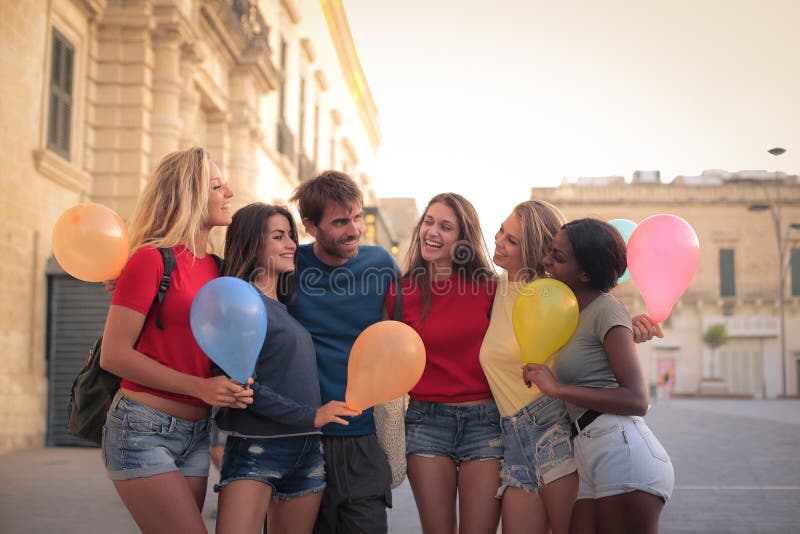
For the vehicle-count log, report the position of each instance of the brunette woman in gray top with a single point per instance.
(273, 461)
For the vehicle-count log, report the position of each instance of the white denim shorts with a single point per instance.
(619, 454)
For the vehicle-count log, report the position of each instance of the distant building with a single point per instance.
(735, 285)
(402, 215)
(97, 92)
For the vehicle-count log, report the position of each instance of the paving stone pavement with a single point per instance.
(736, 463)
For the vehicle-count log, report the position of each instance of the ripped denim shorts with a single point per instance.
(292, 466)
(537, 446)
(140, 441)
(463, 433)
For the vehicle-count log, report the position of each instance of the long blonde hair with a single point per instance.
(540, 221)
(174, 204)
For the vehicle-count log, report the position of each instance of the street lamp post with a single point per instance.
(774, 207)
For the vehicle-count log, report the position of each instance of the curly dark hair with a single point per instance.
(599, 250)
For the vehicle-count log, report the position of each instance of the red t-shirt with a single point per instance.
(174, 346)
(452, 332)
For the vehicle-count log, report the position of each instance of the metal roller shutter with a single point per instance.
(76, 315)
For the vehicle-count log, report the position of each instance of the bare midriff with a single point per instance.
(178, 409)
(468, 403)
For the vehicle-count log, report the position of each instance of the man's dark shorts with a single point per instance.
(358, 490)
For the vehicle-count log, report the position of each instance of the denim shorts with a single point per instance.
(618, 454)
(291, 466)
(139, 441)
(537, 446)
(463, 433)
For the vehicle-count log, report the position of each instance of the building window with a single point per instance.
(301, 128)
(727, 274)
(285, 135)
(60, 109)
(316, 135)
(794, 262)
(282, 89)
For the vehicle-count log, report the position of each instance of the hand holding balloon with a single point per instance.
(543, 377)
(224, 392)
(332, 412)
(644, 329)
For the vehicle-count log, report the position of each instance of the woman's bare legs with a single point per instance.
(559, 497)
(242, 507)
(523, 512)
(634, 512)
(165, 503)
(478, 506)
(294, 516)
(434, 481)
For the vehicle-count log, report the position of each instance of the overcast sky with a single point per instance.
(489, 98)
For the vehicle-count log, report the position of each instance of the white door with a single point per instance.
(742, 366)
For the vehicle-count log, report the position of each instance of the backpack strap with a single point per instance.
(220, 265)
(168, 257)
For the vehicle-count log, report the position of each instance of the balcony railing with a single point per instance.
(251, 22)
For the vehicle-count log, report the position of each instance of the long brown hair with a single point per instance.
(469, 254)
(246, 239)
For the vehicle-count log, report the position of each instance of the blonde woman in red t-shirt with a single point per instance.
(453, 442)
(155, 440)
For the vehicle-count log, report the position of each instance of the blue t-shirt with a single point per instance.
(335, 304)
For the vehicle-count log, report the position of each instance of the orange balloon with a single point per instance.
(386, 361)
(91, 243)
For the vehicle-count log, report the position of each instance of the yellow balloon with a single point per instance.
(545, 316)
(386, 361)
(90, 242)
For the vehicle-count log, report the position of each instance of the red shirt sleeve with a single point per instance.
(389, 300)
(138, 284)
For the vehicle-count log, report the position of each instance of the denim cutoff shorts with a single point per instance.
(292, 466)
(139, 441)
(536, 445)
(463, 433)
(618, 454)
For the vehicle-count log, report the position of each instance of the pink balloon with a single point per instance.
(663, 254)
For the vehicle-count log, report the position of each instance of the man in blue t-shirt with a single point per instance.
(340, 291)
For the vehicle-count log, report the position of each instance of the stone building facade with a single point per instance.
(98, 91)
(736, 283)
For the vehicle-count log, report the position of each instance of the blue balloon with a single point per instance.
(625, 228)
(229, 322)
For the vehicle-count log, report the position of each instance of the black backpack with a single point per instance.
(94, 387)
